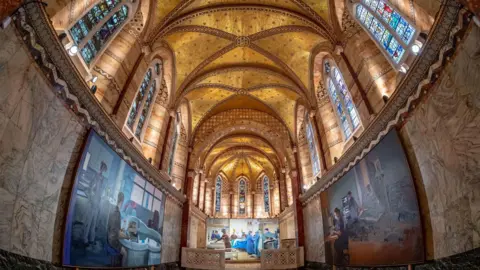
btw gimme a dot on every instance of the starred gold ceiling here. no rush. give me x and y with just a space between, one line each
242 54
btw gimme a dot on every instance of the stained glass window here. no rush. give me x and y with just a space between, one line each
389 29
138 99
146 109
341 100
266 193
89 22
218 193
242 194
313 150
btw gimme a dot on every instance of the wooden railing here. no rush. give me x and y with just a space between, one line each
197 258
284 258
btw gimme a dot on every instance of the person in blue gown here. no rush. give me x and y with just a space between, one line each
256 239
250 244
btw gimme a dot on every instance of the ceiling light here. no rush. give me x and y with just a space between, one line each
94 79
73 50
416 47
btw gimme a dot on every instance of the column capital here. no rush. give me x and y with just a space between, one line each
172 112
338 49
191 173
294 173
312 113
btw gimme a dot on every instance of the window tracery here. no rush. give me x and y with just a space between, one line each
313 149
341 100
390 30
266 193
91 32
218 194
242 194
141 107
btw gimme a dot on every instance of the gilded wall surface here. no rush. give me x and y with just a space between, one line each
172 226
443 135
39 141
313 229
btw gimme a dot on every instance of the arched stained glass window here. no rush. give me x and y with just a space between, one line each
266 193
242 194
390 30
341 100
97 26
146 109
313 149
218 193
137 102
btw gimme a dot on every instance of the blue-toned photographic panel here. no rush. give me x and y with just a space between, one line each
373 209
115 217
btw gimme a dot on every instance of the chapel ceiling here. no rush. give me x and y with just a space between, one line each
231 54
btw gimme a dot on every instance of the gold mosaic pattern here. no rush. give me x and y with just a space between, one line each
246 162
237 142
286 4
246 79
240 55
162 8
282 101
320 7
243 22
202 100
242 102
294 50
191 48
226 118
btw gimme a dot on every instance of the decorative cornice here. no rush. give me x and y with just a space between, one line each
424 71
41 39
198 213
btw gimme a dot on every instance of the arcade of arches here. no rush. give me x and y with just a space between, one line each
240 109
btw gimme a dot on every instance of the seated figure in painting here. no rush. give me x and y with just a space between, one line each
115 233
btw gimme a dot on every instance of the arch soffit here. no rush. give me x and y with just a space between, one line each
216 138
278 154
243 147
276 115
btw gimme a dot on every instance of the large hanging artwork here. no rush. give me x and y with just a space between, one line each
115 217
373 210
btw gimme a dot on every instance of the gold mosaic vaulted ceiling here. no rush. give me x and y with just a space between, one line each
242 54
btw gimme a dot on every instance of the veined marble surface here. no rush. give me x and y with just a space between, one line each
172 226
39 138
313 223
444 135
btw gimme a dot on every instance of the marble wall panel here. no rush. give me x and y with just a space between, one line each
313 228
172 225
443 135
37 140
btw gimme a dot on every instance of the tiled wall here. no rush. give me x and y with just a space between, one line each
39 140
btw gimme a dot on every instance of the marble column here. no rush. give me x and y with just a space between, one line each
253 204
188 190
298 211
167 137
323 161
200 180
283 191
